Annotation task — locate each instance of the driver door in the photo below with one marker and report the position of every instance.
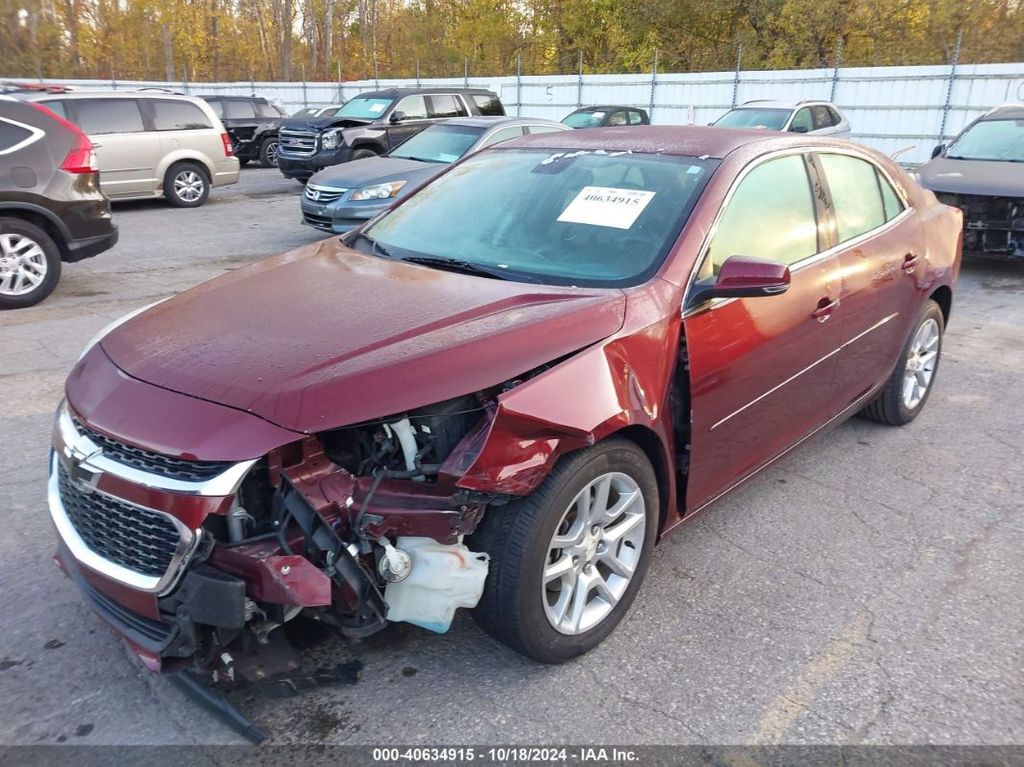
(414, 119)
(762, 369)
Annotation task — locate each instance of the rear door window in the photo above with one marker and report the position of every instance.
(821, 116)
(488, 105)
(836, 119)
(102, 116)
(446, 106)
(267, 110)
(856, 195)
(770, 215)
(178, 115)
(635, 118)
(543, 129)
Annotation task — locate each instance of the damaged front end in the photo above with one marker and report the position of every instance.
(993, 226)
(197, 563)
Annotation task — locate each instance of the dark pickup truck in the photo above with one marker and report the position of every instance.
(373, 123)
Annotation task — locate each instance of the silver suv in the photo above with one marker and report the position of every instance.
(150, 143)
(818, 117)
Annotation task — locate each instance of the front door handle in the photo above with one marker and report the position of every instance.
(909, 263)
(825, 308)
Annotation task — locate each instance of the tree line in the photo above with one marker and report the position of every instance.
(228, 40)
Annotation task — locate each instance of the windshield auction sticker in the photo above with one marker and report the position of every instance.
(606, 206)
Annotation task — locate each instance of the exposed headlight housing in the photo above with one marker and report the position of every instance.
(378, 191)
(117, 323)
(331, 139)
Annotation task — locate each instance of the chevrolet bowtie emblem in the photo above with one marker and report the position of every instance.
(77, 465)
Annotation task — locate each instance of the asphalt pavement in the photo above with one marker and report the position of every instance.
(866, 590)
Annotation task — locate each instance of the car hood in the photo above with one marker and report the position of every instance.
(377, 170)
(999, 179)
(317, 124)
(323, 336)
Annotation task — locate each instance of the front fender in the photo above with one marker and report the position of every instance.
(614, 385)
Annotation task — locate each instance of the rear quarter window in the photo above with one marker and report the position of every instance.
(488, 105)
(101, 116)
(178, 115)
(12, 136)
(239, 110)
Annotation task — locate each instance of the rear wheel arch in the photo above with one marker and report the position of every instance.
(44, 221)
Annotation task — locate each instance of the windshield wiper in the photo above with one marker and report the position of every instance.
(376, 247)
(417, 159)
(467, 267)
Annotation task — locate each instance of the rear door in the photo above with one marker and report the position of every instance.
(181, 124)
(881, 259)
(762, 369)
(127, 152)
(240, 122)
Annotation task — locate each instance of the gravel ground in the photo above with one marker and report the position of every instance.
(866, 590)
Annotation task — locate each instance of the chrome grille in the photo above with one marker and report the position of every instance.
(322, 194)
(296, 142)
(154, 463)
(141, 540)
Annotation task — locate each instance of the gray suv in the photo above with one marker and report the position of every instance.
(372, 124)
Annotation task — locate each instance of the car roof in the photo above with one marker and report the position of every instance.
(608, 108)
(683, 141)
(390, 93)
(108, 94)
(782, 104)
(222, 97)
(1005, 112)
(489, 121)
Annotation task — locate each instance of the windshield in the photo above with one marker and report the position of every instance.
(771, 119)
(584, 119)
(364, 109)
(998, 140)
(439, 143)
(587, 218)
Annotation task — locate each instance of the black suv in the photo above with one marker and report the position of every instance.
(372, 124)
(51, 206)
(252, 123)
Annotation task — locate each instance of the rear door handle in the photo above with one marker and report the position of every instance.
(909, 262)
(825, 308)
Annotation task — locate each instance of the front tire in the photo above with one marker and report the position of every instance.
(186, 185)
(29, 264)
(567, 561)
(268, 152)
(362, 154)
(911, 382)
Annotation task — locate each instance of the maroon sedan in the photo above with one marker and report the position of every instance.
(499, 395)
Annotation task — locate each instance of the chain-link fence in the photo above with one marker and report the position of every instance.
(891, 108)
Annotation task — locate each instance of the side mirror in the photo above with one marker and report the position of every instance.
(396, 117)
(938, 150)
(743, 277)
(798, 129)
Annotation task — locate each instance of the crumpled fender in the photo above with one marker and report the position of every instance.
(615, 384)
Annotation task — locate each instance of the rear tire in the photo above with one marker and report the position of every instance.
(268, 152)
(29, 264)
(565, 565)
(362, 154)
(908, 388)
(186, 185)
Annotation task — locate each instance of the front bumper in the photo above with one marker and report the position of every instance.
(341, 216)
(304, 166)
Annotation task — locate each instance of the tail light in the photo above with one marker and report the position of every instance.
(82, 157)
(229, 150)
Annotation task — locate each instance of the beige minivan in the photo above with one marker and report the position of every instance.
(151, 143)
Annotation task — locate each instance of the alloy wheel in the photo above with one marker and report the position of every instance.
(188, 186)
(594, 553)
(921, 360)
(22, 265)
(272, 154)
